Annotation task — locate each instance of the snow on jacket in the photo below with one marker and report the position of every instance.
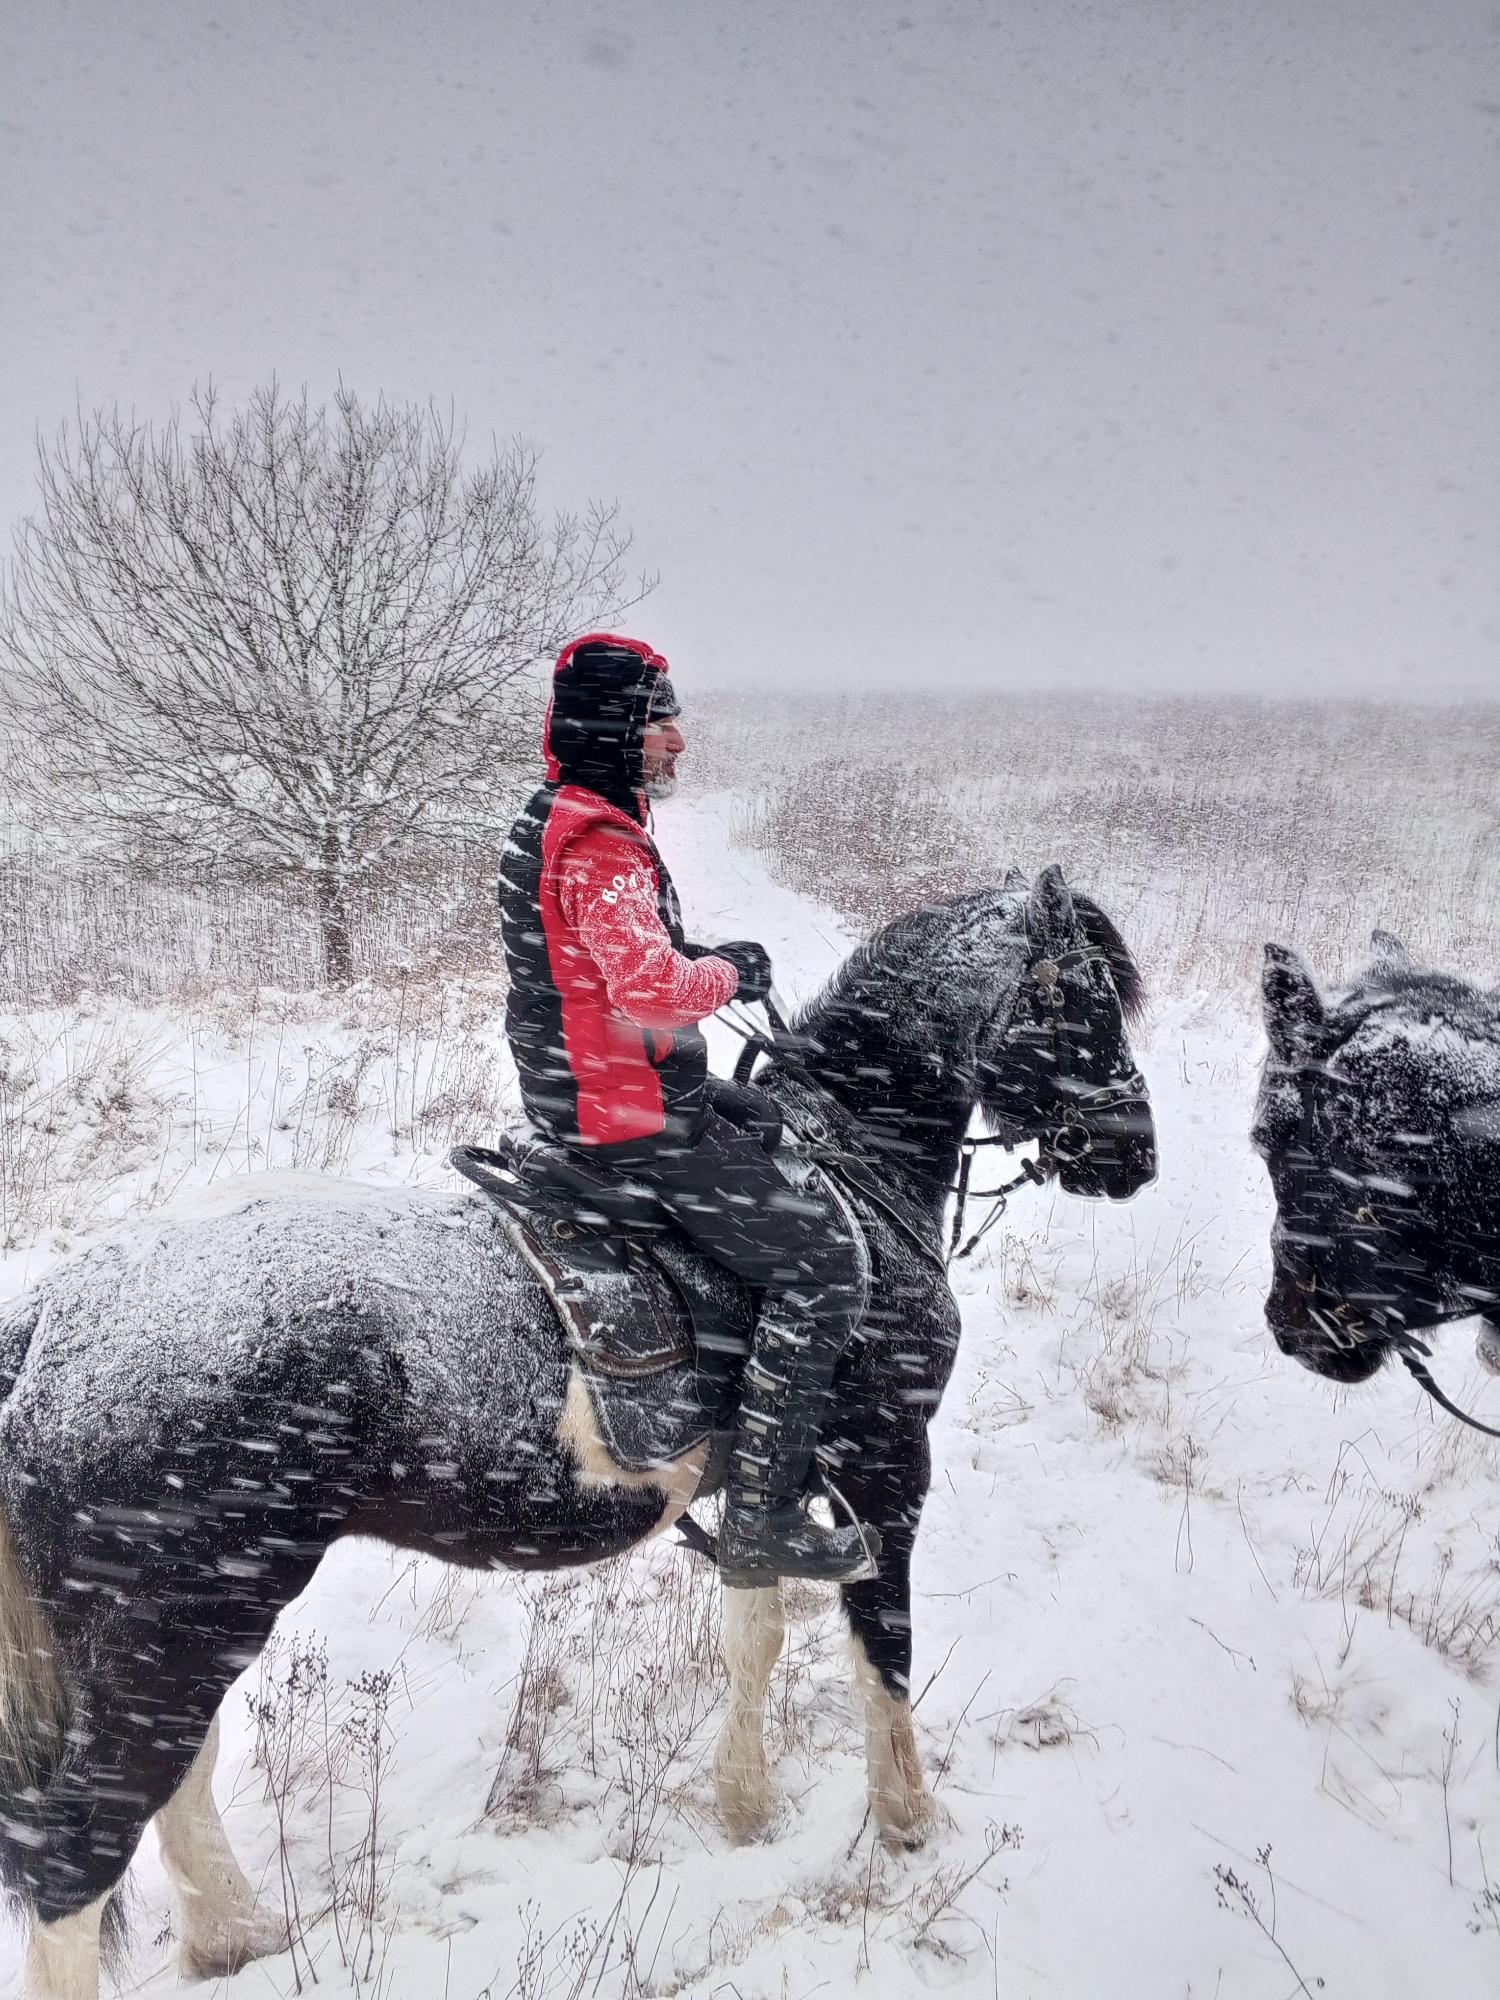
(604, 989)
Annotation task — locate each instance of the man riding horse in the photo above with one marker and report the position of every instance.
(605, 997)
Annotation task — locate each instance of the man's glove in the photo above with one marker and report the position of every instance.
(752, 962)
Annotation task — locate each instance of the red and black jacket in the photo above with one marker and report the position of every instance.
(604, 990)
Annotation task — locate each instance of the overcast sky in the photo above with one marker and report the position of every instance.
(1141, 342)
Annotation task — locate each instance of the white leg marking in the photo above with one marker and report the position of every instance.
(900, 1803)
(62, 1960)
(223, 1928)
(754, 1626)
(578, 1432)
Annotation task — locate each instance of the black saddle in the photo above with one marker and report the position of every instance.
(571, 1199)
(660, 1332)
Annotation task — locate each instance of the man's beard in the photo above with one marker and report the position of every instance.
(660, 783)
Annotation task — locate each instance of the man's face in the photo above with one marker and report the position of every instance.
(662, 745)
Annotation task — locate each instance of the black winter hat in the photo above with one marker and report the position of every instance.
(603, 688)
(664, 702)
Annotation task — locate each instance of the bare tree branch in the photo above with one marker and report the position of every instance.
(286, 634)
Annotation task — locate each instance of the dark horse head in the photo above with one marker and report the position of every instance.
(1059, 1067)
(1015, 1002)
(1379, 1123)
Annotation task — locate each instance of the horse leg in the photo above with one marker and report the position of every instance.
(62, 1958)
(754, 1626)
(879, 1614)
(223, 1927)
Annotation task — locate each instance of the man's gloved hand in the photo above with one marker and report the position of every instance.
(752, 962)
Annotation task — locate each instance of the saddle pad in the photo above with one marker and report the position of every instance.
(659, 1336)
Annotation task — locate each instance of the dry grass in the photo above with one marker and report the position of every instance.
(1205, 827)
(622, 1679)
(1390, 1554)
(79, 1107)
(108, 1114)
(323, 1754)
(72, 928)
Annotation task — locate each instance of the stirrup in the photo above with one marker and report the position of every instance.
(761, 1545)
(869, 1538)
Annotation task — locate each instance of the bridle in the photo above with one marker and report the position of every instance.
(1413, 1352)
(1062, 1144)
(1068, 1141)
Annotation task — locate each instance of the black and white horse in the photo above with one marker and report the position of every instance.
(192, 1412)
(1379, 1122)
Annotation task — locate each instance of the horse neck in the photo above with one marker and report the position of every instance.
(904, 1077)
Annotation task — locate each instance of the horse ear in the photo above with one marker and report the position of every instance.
(1014, 880)
(1050, 916)
(1388, 952)
(1294, 1013)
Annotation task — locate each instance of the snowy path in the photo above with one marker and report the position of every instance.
(1182, 1603)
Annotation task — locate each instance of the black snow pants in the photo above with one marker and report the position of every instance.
(726, 1193)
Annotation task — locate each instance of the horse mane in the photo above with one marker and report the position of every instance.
(908, 940)
(900, 944)
(1102, 931)
(1459, 1002)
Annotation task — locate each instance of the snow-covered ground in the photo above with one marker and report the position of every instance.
(1202, 1646)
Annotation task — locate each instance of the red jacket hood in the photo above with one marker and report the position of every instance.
(596, 721)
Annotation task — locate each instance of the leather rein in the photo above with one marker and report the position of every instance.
(1423, 1375)
(1057, 1146)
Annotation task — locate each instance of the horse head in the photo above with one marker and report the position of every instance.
(1014, 1002)
(1378, 1119)
(1056, 1064)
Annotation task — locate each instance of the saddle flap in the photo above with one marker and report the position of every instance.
(657, 1331)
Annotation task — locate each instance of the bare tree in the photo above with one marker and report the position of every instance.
(286, 636)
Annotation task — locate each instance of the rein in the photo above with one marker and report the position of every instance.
(812, 1134)
(1062, 1145)
(1422, 1374)
(1038, 1172)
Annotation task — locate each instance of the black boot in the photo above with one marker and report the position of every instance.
(767, 1533)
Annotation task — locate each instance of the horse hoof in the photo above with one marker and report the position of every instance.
(907, 1824)
(748, 1815)
(262, 1935)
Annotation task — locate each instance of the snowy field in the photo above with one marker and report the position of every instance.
(1204, 1649)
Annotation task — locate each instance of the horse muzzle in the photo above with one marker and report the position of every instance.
(1108, 1154)
(1322, 1334)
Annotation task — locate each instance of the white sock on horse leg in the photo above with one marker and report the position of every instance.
(222, 1925)
(62, 1959)
(900, 1803)
(754, 1626)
